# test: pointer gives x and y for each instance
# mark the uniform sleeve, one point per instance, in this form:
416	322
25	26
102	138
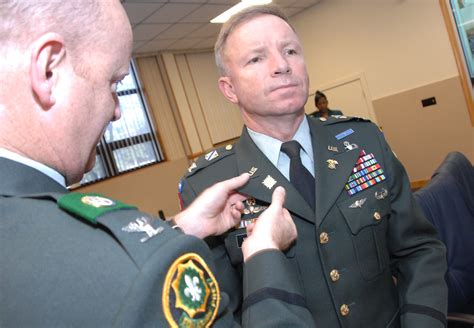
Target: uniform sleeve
271	293
418	257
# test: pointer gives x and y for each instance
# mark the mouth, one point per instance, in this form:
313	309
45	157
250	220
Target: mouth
284	87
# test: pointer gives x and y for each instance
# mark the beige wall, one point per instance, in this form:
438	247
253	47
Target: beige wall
152	188
403	50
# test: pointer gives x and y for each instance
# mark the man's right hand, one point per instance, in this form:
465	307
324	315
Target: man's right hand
274	229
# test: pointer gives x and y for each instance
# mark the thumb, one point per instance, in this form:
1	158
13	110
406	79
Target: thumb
278	197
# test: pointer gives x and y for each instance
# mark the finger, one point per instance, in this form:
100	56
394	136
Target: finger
250	227
235	183
237	198
278	197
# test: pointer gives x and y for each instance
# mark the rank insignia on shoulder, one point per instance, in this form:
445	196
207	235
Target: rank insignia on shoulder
90	206
366	173
191	295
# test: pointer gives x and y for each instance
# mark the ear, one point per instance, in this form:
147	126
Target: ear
47	53
227	89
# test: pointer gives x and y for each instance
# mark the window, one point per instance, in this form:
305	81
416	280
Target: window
129	143
463	11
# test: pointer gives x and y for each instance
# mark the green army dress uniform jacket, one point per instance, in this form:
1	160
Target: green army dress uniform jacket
350	249
119	268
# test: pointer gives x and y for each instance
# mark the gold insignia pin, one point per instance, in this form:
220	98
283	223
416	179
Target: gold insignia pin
253	170
332	163
333	148
269	182
228	147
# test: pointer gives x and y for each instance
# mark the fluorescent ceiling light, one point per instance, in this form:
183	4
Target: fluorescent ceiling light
222	18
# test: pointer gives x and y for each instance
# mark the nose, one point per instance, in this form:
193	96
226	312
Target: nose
280	65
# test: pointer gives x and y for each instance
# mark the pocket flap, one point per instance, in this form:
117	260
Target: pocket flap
371	212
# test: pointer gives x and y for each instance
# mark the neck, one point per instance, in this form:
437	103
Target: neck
282	127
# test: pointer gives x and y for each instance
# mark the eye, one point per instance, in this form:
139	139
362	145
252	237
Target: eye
290	52
254	60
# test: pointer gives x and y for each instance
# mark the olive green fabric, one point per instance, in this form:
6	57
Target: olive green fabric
363	248
122	269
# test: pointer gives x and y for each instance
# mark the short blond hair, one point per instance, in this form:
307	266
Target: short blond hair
236	20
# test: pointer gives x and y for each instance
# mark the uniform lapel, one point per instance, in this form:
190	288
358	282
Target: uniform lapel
249	158
329	182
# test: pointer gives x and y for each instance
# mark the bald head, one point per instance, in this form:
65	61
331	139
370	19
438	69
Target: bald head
78	21
61	62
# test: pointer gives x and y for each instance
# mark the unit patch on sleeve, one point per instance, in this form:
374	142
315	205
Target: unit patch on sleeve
365	174
191	294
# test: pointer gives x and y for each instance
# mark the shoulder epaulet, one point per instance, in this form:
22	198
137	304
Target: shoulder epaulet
210	158
341	118
90	206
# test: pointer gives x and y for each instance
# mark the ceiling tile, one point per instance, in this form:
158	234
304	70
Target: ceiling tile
205	13
206	31
143	32
178	31
171	13
206	43
182	44
137	12
155	46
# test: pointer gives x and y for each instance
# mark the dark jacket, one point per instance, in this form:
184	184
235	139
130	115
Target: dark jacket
97	269
346	255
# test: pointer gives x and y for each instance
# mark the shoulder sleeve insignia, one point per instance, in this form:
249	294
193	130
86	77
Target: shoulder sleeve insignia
191	294
90	206
211	157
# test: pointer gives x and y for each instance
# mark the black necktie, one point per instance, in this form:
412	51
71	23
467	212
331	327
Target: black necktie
300	177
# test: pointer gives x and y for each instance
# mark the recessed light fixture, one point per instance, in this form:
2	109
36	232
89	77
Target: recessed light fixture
222	18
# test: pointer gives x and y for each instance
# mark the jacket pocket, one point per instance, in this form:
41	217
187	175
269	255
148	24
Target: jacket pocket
368	227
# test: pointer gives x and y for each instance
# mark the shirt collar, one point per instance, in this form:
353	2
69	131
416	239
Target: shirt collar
53	174
270	146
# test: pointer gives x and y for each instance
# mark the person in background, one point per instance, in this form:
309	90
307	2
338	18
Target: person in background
321	103
350	198
85	260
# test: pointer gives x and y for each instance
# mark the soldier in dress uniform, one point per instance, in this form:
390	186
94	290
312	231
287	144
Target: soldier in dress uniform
365	255
84	260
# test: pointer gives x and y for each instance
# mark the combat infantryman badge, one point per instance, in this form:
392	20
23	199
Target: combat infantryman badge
191	294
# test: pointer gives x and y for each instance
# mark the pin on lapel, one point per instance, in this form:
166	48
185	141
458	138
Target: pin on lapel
332	163
253	170
211	155
269	182
251	207
358	203
349	146
381	194
333	148
143	224
192	167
